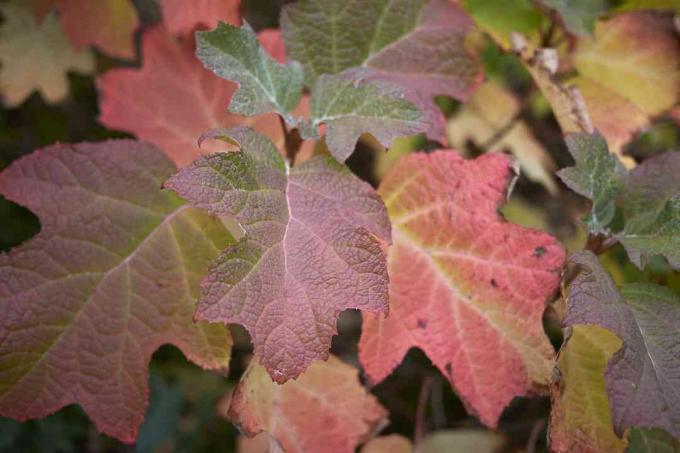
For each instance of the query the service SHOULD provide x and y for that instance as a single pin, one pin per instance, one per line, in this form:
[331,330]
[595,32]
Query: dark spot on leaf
[493,283]
[539,252]
[447,367]
[422,323]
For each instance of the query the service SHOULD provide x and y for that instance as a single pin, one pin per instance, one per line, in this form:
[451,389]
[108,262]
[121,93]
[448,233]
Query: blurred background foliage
[184,410]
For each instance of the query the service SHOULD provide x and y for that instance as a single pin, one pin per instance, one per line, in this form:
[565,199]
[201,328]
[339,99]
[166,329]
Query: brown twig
[533,435]
[293,141]
[598,244]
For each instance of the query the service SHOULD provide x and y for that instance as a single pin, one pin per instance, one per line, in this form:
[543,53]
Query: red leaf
[325,409]
[182,17]
[172,100]
[465,286]
[112,276]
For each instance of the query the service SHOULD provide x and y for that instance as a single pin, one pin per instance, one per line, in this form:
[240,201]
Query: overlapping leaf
[644,440]
[643,377]
[650,196]
[597,175]
[326,409]
[579,15]
[265,85]
[107,24]
[580,417]
[350,107]
[172,100]
[182,17]
[465,286]
[651,207]
[312,247]
[35,57]
[112,275]
[418,45]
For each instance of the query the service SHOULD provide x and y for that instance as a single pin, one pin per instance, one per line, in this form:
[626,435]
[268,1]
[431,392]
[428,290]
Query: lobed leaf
[172,99]
[597,175]
[418,45]
[312,248]
[325,409]
[265,85]
[643,376]
[112,276]
[465,286]
[351,107]
[35,57]
[108,24]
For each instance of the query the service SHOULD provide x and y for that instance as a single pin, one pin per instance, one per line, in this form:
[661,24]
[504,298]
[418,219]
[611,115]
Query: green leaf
[234,53]
[350,108]
[651,208]
[579,15]
[520,16]
[643,440]
[597,175]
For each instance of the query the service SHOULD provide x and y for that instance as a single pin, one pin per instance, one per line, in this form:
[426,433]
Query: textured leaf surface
[350,107]
[265,85]
[597,175]
[643,377]
[520,16]
[419,45]
[579,15]
[172,100]
[35,57]
[652,441]
[113,274]
[326,409]
[108,24]
[465,286]
[182,17]
[636,55]
[493,109]
[580,417]
[651,207]
[312,248]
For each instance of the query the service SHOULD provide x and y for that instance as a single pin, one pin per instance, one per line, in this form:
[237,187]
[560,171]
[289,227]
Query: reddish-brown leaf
[465,286]
[182,17]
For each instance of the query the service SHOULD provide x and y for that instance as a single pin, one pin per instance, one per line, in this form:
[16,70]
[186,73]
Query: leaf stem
[419,431]
[293,141]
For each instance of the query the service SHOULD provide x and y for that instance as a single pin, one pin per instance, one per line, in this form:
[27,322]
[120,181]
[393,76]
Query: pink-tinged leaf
[107,24]
[113,275]
[466,287]
[312,248]
[326,409]
[419,46]
[182,17]
[172,100]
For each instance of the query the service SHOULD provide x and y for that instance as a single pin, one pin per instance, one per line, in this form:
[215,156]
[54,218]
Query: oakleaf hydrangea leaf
[325,409]
[580,416]
[351,107]
[312,248]
[182,17]
[465,286]
[36,56]
[108,24]
[265,85]
[419,45]
[597,175]
[651,207]
[113,275]
[171,100]
[643,377]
